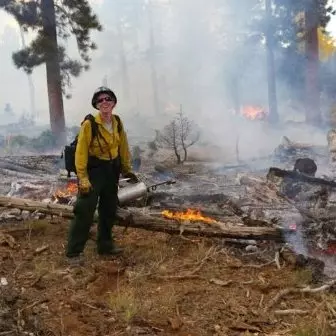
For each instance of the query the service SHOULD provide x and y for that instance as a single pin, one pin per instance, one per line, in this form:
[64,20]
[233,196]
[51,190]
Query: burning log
[254,112]
[136,219]
[216,214]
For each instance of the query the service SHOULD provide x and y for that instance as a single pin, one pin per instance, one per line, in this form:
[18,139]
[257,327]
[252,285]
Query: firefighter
[99,162]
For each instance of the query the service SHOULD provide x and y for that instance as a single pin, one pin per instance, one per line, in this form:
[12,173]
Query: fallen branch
[252,265]
[178,277]
[137,219]
[221,282]
[38,279]
[287,291]
[40,301]
[277,259]
[191,274]
[291,312]
[41,249]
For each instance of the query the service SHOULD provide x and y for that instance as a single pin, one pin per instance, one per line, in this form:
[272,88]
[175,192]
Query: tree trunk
[185,154]
[271,80]
[136,219]
[152,61]
[178,156]
[54,80]
[313,113]
[122,58]
[235,92]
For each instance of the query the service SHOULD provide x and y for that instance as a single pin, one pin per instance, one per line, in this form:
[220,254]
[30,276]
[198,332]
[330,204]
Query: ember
[331,249]
[189,214]
[293,227]
[253,112]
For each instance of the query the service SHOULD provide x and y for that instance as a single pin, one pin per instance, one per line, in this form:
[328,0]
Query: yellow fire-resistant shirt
[115,144]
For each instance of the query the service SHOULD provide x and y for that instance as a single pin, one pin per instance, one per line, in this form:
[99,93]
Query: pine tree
[297,25]
[54,21]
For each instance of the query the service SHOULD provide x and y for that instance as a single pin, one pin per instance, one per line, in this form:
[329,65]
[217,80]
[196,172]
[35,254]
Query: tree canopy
[73,18]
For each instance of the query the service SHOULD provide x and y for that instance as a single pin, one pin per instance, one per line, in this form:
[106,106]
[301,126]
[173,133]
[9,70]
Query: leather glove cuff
[84,185]
[133,178]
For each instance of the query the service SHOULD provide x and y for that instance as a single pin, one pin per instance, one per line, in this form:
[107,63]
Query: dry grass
[129,302]
[302,277]
[38,226]
[147,287]
[43,266]
[125,304]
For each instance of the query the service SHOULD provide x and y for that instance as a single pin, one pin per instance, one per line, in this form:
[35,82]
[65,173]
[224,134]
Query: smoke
[207,56]
[296,239]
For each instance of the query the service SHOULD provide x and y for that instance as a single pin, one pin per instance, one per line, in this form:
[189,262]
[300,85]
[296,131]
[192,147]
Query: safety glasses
[107,99]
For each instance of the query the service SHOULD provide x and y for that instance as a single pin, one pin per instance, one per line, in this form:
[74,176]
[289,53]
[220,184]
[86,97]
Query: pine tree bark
[313,112]
[54,80]
[271,79]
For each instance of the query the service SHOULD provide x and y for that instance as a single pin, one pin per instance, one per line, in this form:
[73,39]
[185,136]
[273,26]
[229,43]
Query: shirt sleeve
[82,150]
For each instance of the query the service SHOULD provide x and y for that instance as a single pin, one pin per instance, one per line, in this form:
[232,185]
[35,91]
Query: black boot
[112,251]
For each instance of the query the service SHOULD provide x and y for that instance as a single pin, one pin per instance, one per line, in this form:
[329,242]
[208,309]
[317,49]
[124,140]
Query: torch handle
[154,186]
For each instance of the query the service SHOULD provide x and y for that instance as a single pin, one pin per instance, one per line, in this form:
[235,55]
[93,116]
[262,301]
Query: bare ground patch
[162,285]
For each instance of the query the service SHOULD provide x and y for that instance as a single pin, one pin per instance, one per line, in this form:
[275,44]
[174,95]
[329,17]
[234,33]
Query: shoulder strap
[94,128]
[120,128]
[94,125]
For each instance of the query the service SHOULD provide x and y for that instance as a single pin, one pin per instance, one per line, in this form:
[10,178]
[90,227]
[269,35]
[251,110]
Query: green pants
[104,181]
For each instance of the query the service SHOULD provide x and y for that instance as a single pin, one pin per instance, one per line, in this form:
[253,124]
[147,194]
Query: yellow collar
[99,120]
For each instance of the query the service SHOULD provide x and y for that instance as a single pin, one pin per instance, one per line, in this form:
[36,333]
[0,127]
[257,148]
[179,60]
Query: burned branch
[178,136]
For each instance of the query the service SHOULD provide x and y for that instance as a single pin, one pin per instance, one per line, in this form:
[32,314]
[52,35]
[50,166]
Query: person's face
[105,104]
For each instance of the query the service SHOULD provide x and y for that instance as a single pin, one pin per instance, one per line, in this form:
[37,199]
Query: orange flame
[189,214]
[68,191]
[253,112]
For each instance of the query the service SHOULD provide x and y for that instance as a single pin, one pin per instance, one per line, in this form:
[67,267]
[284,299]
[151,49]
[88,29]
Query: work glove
[133,178]
[84,186]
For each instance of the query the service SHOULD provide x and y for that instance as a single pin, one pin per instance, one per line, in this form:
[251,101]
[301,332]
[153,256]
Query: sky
[332,23]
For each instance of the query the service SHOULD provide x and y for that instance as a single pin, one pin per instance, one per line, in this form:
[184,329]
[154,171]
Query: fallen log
[14,167]
[274,171]
[268,192]
[286,142]
[27,176]
[231,213]
[32,164]
[137,219]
